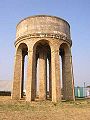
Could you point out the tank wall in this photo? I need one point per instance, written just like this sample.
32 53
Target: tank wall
40 24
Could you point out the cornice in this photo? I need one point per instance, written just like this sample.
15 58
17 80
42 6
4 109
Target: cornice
43 35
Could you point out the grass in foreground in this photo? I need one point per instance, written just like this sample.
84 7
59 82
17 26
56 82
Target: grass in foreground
44 110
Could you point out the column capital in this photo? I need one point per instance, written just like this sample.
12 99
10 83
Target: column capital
29 51
55 51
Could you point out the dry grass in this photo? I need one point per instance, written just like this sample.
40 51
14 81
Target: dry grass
45 110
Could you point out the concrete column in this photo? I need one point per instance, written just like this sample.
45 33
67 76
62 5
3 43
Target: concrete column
16 93
63 77
29 82
42 75
68 84
55 71
50 82
73 92
34 64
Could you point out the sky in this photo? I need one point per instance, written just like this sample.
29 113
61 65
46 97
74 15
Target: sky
76 12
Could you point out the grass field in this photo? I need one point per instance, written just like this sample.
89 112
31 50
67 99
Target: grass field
44 110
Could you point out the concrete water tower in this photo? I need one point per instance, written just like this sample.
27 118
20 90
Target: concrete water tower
43 38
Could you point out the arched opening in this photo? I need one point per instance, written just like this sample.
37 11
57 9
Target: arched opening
64 53
42 54
21 60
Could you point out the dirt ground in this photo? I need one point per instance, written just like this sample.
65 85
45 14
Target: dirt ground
44 110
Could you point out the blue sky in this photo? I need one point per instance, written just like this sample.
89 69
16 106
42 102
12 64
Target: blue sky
76 12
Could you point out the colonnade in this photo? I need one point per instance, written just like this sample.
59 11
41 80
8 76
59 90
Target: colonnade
43 52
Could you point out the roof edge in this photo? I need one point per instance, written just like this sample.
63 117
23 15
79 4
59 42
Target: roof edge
43 16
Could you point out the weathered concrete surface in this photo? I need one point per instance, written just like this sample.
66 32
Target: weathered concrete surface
52 34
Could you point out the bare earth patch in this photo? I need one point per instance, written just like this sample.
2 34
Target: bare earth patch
44 110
